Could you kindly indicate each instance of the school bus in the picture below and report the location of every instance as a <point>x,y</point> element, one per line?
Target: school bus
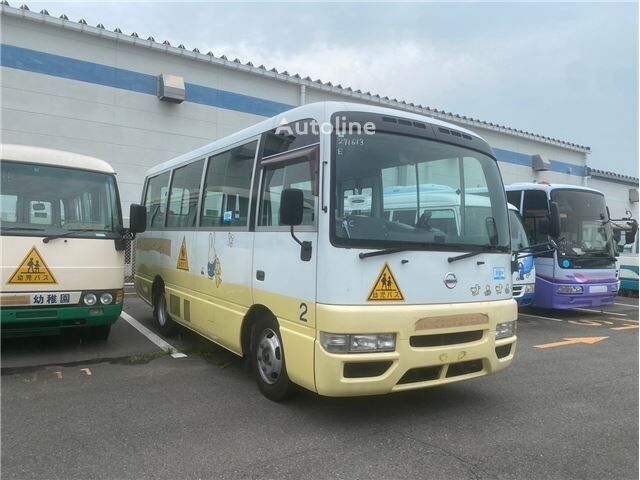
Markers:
<point>253,241</point>
<point>62,243</point>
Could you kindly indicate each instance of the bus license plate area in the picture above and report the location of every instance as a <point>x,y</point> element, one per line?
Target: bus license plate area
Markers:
<point>598,289</point>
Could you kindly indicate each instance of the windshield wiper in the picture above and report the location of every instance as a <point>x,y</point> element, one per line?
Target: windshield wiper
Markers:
<point>68,233</point>
<point>473,254</point>
<point>384,251</point>
<point>31,229</point>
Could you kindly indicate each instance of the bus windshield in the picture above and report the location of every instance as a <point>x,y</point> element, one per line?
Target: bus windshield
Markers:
<point>584,227</point>
<point>42,200</point>
<point>393,190</point>
<point>519,238</point>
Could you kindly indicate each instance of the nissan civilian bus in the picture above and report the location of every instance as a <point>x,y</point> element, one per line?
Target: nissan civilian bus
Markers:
<point>253,242</point>
<point>62,242</point>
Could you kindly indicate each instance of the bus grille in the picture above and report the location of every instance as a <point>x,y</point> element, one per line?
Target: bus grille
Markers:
<point>518,290</point>
<point>442,339</point>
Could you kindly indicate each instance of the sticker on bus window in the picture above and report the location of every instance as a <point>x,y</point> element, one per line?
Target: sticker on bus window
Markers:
<point>386,288</point>
<point>32,269</point>
<point>183,260</point>
<point>228,216</point>
<point>498,273</point>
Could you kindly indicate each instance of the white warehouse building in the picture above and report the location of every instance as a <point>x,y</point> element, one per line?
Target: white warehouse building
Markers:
<point>71,86</point>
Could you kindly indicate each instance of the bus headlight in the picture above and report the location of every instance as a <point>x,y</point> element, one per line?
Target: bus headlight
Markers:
<point>106,298</point>
<point>530,288</point>
<point>575,289</point>
<point>505,330</point>
<point>358,343</point>
<point>90,299</point>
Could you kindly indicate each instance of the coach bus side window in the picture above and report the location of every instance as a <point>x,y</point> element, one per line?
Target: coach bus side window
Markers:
<point>535,215</point>
<point>183,195</point>
<point>227,187</point>
<point>301,174</point>
<point>156,200</point>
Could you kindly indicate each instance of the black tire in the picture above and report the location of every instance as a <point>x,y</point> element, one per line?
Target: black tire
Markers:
<point>167,326</point>
<point>268,360</point>
<point>99,333</point>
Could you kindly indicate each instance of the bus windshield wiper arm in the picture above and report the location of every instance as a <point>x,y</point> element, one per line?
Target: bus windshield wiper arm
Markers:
<point>473,254</point>
<point>384,251</point>
<point>68,233</point>
<point>31,229</point>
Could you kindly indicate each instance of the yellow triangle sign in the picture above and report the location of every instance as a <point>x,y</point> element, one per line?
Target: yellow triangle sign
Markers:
<point>386,288</point>
<point>32,269</point>
<point>183,260</point>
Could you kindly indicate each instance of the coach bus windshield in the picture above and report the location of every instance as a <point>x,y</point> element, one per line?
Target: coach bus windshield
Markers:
<point>40,200</point>
<point>398,191</point>
<point>584,224</point>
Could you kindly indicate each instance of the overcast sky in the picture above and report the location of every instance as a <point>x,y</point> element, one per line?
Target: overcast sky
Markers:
<point>568,71</point>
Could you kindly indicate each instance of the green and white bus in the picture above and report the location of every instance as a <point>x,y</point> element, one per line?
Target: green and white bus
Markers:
<point>62,242</point>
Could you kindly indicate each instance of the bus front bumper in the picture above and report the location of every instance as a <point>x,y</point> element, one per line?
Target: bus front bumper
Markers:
<point>17,322</point>
<point>592,295</point>
<point>464,333</point>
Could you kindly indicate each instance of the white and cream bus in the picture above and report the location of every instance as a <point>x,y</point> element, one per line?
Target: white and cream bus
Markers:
<point>253,242</point>
<point>62,242</point>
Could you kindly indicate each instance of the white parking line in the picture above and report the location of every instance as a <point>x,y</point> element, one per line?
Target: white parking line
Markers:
<point>543,318</point>
<point>601,311</point>
<point>152,337</point>
<point>626,304</point>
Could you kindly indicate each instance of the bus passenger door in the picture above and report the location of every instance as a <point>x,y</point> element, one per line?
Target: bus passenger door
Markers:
<point>282,281</point>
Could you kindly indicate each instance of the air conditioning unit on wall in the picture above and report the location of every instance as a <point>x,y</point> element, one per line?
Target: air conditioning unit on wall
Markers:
<point>633,195</point>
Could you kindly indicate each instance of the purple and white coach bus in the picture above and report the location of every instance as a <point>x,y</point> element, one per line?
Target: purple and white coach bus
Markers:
<point>581,272</point>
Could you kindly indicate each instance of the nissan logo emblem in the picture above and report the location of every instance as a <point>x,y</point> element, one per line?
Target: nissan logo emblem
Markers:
<point>450,280</point>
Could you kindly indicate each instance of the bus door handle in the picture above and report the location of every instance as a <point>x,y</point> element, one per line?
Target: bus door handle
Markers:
<point>260,275</point>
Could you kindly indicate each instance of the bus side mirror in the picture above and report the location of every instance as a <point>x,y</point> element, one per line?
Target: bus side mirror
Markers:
<point>554,220</point>
<point>291,211</point>
<point>137,218</point>
<point>291,207</point>
<point>630,236</point>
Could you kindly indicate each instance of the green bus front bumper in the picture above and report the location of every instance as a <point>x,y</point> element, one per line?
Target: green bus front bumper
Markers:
<point>16,322</point>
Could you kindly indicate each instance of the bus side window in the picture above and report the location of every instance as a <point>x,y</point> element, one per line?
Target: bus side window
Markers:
<point>156,200</point>
<point>227,187</point>
<point>535,214</point>
<point>296,173</point>
<point>8,207</point>
<point>183,196</point>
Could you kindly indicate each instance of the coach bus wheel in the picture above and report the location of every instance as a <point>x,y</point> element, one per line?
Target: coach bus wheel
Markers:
<point>100,332</point>
<point>165,322</point>
<point>268,360</point>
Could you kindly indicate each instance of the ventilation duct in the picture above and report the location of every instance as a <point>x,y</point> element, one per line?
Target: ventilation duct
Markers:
<point>170,88</point>
<point>540,163</point>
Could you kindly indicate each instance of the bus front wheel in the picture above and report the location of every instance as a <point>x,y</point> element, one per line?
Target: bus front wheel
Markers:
<point>165,322</point>
<point>99,333</point>
<point>268,360</point>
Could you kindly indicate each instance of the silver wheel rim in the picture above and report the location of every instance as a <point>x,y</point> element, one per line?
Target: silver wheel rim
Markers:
<point>269,356</point>
<point>162,311</point>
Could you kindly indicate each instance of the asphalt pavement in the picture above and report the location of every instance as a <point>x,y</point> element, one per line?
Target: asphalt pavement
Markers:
<point>125,408</point>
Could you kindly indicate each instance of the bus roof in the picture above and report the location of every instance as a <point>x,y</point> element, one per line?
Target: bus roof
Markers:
<point>548,187</point>
<point>320,110</point>
<point>54,158</point>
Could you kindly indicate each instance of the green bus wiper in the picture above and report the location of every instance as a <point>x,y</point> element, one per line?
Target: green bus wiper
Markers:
<point>68,233</point>
<point>31,229</point>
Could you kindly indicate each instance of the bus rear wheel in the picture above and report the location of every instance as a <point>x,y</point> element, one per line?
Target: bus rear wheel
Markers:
<point>268,360</point>
<point>167,326</point>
